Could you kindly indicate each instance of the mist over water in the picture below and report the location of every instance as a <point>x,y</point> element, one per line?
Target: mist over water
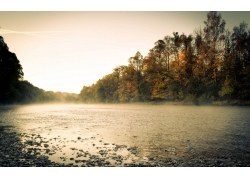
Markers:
<point>166,131</point>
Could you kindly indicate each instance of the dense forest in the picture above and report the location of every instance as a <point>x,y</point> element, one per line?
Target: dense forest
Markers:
<point>210,65</point>
<point>13,89</point>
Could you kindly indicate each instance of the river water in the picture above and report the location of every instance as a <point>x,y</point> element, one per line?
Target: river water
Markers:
<point>137,133</point>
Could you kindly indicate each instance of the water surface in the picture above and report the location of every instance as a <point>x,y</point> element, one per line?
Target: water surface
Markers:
<point>136,132</point>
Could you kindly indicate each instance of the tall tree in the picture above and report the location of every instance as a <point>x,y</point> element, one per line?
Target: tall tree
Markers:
<point>241,59</point>
<point>10,72</point>
<point>213,38</point>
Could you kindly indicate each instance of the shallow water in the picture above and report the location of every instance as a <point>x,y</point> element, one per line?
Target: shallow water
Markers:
<point>136,132</point>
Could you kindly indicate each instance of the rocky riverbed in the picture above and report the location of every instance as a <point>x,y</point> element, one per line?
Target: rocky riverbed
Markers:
<point>32,150</point>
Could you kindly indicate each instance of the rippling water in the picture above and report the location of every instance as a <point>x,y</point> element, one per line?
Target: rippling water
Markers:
<point>156,130</point>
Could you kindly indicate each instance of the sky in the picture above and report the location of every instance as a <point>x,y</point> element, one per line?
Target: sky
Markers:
<point>66,50</point>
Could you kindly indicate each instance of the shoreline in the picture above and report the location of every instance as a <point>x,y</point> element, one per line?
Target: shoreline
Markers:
<point>15,153</point>
<point>175,103</point>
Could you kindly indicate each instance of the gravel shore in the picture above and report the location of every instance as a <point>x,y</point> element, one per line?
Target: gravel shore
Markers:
<point>16,153</point>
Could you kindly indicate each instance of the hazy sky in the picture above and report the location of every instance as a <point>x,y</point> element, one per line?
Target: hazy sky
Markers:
<point>63,51</point>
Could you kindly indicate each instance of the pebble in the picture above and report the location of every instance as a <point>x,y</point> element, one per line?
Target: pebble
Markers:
<point>46,145</point>
<point>14,153</point>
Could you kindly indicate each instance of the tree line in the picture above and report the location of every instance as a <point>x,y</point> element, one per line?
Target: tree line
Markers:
<point>13,89</point>
<point>212,64</point>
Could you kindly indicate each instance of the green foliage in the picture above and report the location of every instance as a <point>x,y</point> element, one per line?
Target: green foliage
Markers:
<point>227,88</point>
<point>190,98</point>
<point>205,99</point>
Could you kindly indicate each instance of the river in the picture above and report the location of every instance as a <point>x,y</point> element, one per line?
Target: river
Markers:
<point>130,133</point>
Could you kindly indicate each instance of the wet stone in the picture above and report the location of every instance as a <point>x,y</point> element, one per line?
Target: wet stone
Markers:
<point>51,153</point>
<point>46,145</point>
<point>47,150</point>
<point>77,161</point>
<point>14,152</point>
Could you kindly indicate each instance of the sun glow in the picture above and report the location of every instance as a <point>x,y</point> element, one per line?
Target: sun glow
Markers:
<point>64,51</point>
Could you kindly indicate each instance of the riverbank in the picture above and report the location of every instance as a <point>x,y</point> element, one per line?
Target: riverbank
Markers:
<point>182,103</point>
<point>153,102</point>
<point>201,103</point>
<point>16,153</point>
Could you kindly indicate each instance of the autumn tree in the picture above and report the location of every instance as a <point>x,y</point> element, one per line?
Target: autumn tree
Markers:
<point>213,43</point>
<point>129,84</point>
<point>210,64</point>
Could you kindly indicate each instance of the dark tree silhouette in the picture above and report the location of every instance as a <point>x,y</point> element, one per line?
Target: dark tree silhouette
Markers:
<point>13,89</point>
<point>10,72</point>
